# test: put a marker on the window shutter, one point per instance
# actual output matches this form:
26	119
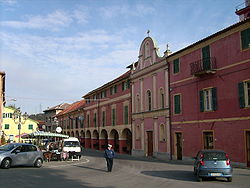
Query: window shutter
206	58
201	101
241	94
176	65
177	109
245	38
123	86
214	98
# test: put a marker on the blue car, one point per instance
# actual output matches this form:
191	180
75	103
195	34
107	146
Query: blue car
212	164
19	154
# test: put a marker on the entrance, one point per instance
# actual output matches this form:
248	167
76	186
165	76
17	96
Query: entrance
248	147
178	137
150	143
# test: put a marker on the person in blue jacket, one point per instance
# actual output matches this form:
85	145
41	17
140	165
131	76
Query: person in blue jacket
109	154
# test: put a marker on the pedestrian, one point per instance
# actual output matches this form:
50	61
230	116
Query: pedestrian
109	154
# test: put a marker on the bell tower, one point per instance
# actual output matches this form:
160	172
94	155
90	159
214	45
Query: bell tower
243	10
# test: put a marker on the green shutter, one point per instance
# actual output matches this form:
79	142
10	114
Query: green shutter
245	39
176	66
214	98
177	104
206	58
241	94
128	83
201	101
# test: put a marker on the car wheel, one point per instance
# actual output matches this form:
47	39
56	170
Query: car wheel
38	163
229	179
6	163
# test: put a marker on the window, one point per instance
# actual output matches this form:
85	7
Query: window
7	115
88	120
208	139
103	94
206	58
6	126
162	98
177	104
208	99
113	117
30	127
95	120
113	90
244	94
137	103
176	66
162	132
125	115
125	85
103	118
149	100
147	50
245	39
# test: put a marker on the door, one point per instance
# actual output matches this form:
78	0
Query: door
178	137
150	143
206	58
248	147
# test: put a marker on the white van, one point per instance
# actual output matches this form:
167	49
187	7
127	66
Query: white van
72	146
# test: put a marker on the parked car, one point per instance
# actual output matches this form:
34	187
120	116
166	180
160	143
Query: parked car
212	163
19	154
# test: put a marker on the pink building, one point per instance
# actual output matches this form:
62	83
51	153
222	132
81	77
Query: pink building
107	116
210	94
150	103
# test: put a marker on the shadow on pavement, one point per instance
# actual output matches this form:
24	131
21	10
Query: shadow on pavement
97	169
172	174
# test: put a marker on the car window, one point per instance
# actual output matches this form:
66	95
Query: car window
31	148
215	156
71	144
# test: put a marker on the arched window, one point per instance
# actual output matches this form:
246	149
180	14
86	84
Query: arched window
162	132
162	99
147	50
149	100
137	103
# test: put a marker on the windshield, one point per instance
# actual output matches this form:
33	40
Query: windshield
219	156
71	144
7	147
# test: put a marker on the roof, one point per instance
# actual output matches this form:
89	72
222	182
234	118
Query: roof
72	107
61	106
123	76
211	36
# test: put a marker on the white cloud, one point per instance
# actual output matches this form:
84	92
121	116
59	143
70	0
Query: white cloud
8	2
53	21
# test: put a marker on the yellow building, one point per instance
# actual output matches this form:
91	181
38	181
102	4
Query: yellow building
11	128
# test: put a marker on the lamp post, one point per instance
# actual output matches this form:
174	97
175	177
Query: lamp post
19	119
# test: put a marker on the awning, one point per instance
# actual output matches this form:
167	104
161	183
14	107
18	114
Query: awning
44	134
21	135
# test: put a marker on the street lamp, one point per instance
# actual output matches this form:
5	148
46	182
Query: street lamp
19	119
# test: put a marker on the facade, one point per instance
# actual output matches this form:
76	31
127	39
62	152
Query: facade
2	100
150	103
71	120
11	130
50	114
210	95
107	116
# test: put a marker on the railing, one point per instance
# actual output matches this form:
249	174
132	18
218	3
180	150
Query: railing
203	66
242	5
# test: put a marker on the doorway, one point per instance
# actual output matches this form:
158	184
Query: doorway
248	147
150	143
178	137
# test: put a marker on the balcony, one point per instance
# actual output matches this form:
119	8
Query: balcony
203	66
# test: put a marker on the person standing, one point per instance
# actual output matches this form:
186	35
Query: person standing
109	154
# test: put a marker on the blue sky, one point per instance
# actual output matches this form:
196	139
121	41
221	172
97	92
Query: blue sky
55	51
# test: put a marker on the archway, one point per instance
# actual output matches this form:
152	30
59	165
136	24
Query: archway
88	139
82	138
115	139
103	139
126	141
95	140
